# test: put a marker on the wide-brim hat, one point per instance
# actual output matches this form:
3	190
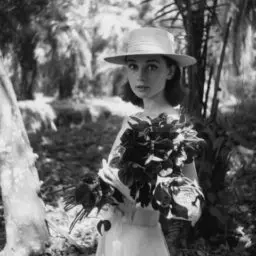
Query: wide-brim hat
151	41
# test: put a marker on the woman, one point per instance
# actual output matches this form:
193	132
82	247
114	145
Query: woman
153	71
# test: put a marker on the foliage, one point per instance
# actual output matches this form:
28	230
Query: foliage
213	165
241	87
75	36
91	193
17	23
15	16
242	30
63	52
37	116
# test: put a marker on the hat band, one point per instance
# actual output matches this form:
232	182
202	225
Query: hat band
148	48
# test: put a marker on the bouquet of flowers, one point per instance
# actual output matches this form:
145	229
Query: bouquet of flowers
147	168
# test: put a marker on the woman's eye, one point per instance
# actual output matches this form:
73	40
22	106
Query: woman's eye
152	67
132	66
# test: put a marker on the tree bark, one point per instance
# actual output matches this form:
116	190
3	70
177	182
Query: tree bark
66	84
194	23
239	34
26	231
67	78
28	64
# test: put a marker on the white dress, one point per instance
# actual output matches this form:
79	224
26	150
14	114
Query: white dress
135	231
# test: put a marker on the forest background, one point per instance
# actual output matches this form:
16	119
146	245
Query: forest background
69	101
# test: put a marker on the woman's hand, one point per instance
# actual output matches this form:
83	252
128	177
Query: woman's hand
189	196
179	198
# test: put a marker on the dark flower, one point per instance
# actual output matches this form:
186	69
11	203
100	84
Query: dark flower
162	196
179	210
153	168
89	191
144	195
85	195
166	164
131	172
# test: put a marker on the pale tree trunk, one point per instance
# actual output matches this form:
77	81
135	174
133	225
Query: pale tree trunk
26	231
248	55
239	35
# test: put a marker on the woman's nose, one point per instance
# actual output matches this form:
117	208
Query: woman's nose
141	74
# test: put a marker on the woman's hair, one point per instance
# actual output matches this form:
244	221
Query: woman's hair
172	92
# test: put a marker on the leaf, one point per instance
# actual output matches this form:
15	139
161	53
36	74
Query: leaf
179	210
214	211
105	224
153	158
218	144
211	197
167	172
84	195
200	253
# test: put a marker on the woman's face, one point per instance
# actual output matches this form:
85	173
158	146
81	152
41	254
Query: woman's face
147	75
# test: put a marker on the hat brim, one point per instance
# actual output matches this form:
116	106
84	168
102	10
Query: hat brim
182	60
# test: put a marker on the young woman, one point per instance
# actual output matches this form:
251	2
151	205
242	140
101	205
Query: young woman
153	71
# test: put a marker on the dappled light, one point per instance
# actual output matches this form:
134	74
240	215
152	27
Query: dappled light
61	108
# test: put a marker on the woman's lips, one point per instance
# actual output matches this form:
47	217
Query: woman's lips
142	87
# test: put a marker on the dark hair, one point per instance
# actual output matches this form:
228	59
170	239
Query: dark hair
172	92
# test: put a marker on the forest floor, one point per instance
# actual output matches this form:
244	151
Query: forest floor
74	149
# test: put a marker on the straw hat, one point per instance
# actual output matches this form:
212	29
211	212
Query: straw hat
151	41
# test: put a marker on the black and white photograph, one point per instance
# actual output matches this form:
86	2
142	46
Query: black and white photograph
128	128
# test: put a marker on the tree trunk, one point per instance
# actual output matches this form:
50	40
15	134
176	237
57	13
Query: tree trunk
66	84
28	64
248	55
67	78
26	231
194	23
196	74
239	34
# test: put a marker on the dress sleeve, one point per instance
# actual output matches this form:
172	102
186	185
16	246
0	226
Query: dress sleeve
110	176
189	171
116	143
